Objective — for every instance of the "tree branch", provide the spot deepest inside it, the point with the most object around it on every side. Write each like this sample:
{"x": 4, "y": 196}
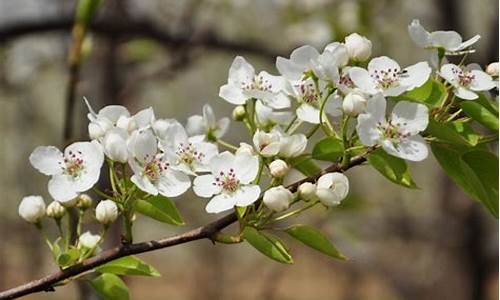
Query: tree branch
{"x": 207, "y": 231}
{"x": 127, "y": 29}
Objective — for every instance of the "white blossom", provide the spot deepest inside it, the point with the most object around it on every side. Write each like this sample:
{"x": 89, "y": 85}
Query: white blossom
{"x": 267, "y": 144}
{"x": 106, "y": 212}
{"x": 450, "y": 41}
{"x": 114, "y": 144}
{"x": 467, "y": 80}
{"x": 266, "y": 116}
{"x": 229, "y": 183}
{"x": 492, "y": 69}
{"x": 153, "y": 174}
{"x": 399, "y": 136}
{"x": 32, "y": 209}
{"x": 243, "y": 84}
{"x": 384, "y": 75}
{"x": 74, "y": 171}
{"x": 358, "y": 47}
{"x": 206, "y": 126}
{"x": 354, "y": 104}
{"x": 184, "y": 154}
{"x": 289, "y": 145}
{"x": 277, "y": 198}
{"x": 332, "y": 188}
{"x": 307, "y": 191}
{"x": 88, "y": 240}
{"x": 278, "y": 168}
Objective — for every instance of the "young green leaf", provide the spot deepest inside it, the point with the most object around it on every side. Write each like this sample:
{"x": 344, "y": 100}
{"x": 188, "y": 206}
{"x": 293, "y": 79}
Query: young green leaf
{"x": 481, "y": 114}
{"x": 159, "y": 208}
{"x": 431, "y": 94}
{"x": 329, "y": 149}
{"x": 68, "y": 258}
{"x": 110, "y": 287}
{"x": 305, "y": 165}
{"x": 315, "y": 239}
{"x": 392, "y": 168}
{"x": 128, "y": 265}
{"x": 457, "y": 133}
{"x": 268, "y": 245}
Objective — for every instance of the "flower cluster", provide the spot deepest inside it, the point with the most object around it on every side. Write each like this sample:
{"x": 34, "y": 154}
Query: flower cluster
{"x": 357, "y": 105}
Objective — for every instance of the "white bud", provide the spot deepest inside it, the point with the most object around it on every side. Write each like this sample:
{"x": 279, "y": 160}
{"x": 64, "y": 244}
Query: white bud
{"x": 32, "y": 209}
{"x": 83, "y": 201}
{"x": 267, "y": 144}
{"x": 115, "y": 145}
{"x": 239, "y": 113}
{"x": 55, "y": 210}
{"x": 69, "y": 203}
{"x": 106, "y": 212}
{"x": 358, "y": 47}
{"x": 95, "y": 131}
{"x": 332, "y": 188}
{"x": 245, "y": 148}
{"x": 307, "y": 191}
{"x": 277, "y": 198}
{"x": 278, "y": 168}
{"x": 354, "y": 104}
{"x": 492, "y": 69}
{"x": 88, "y": 240}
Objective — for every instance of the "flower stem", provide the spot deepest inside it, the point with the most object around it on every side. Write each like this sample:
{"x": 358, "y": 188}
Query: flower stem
{"x": 293, "y": 213}
{"x": 291, "y": 123}
{"x": 227, "y": 145}
{"x": 312, "y": 130}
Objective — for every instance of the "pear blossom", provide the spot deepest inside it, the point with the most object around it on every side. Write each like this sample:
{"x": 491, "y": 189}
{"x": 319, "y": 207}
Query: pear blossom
{"x": 187, "y": 155}
{"x": 332, "y": 188}
{"x": 74, "y": 171}
{"x": 278, "y": 168}
{"x": 399, "y": 135}
{"x": 266, "y": 116}
{"x": 55, "y": 210}
{"x": 354, "y": 104}
{"x": 114, "y": 144}
{"x": 266, "y": 143}
{"x": 243, "y": 84}
{"x": 245, "y": 148}
{"x": 492, "y": 69}
{"x": 358, "y": 47}
{"x": 32, "y": 209}
{"x": 229, "y": 183}
{"x": 339, "y": 53}
{"x": 467, "y": 80}
{"x": 277, "y": 198}
{"x": 153, "y": 173}
{"x": 307, "y": 59}
{"x": 384, "y": 75}
{"x": 106, "y": 212}
{"x": 289, "y": 145}
{"x": 88, "y": 240}
{"x": 450, "y": 41}
{"x": 206, "y": 126}
{"x": 307, "y": 191}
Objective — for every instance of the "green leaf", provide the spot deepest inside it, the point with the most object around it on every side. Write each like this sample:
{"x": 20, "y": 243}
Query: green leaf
{"x": 315, "y": 239}
{"x": 392, "y": 168}
{"x": 110, "y": 287}
{"x": 481, "y": 169}
{"x": 329, "y": 149}
{"x": 268, "y": 245}
{"x": 68, "y": 258}
{"x": 475, "y": 171}
{"x": 431, "y": 94}
{"x": 159, "y": 208}
{"x": 128, "y": 265}
{"x": 490, "y": 105}
{"x": 241, "y": 210}
{"x": 458, "y": 133}
{"x": 481, "y": 114}
{"x": 305, "y": 165}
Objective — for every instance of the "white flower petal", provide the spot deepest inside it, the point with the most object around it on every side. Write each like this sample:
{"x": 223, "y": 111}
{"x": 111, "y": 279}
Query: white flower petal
{"x": 204, "y": 186}
{"x": 222, "y": 127}
{"x": 449, "y": 40}
{"x": 240, "y": 71}
{"x": 246, "y": 167}
{"x": 308, "y": 113}
{"x": 209, "y": 116}
{"x": 464, "y": 93}
{"x": 61, "y": 188}
{"x": 418, "y": 34}
{"x": 413, "y": 148}
{"x": 221, "y": 162}
{"x": 367, "y": 130}
{"x": 482, "y": 81}
{"x": 448, "y": 72}
{"x": 143, "y": 183}
{"x": 247, "y": 195}
{"x": 47, "y": 159}
{"x": 416, "y": 75}
{"x": 382, "y": 63}
{"x": 410, "y": 117}
{"x": 144, "y": 118}
{"x": 113, "y": 113}
{"x": 195, "y": 125}
{"x": 220, "y": 203}
{"x": 145, "y": 146}
{"x": 293, "y": 146}
{"x": 173, "y": 183}
{"x": 469, "y": 42}
{"x": 232, "y": 94}
{"x": 362, "y": 79}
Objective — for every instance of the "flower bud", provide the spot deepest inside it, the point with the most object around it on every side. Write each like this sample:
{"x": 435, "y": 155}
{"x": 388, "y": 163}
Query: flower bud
{"x": 492, "y": 69}
{"x": 332, "y": 188}
{"x": 358, "y": 47}
{"x": 245, "y": 148}
{"x": 55, "y": 210}
{"x": 88, "y": 240}
{"x": 32, "y": 209}
{"x": 83, "y": 201}
{"x": 115, "y": 145}
{"x": 239, "y": 113}
{"x": 307, "y": 191}
{"x": 106, "y": 212}
{"x": 278, "y": 168}
{"x": 268, "y": 144}
{"x": 354, "y": 104}
{"x": 277, "y": 198}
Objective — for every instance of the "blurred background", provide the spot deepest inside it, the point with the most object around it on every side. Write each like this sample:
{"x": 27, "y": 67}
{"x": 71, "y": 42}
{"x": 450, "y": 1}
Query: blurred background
{"x": 430, "y": 243}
